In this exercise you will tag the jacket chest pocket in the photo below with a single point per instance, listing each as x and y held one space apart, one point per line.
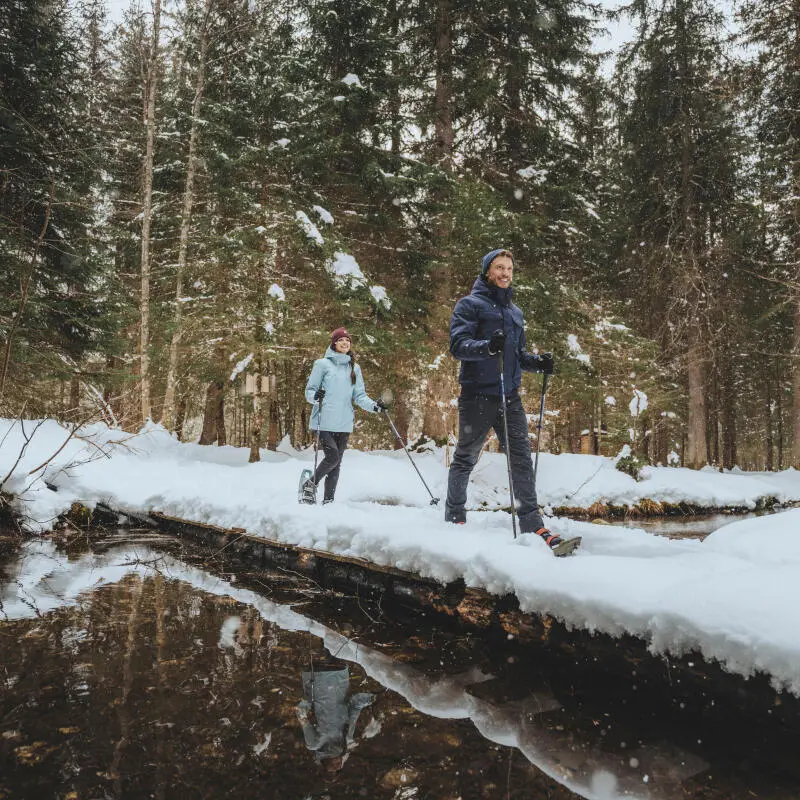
492 320
338 378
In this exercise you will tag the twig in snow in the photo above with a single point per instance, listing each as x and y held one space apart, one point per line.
72 433
21 453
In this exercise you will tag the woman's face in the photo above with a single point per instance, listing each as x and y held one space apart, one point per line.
342 345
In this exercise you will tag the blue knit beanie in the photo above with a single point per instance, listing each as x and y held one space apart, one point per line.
489 257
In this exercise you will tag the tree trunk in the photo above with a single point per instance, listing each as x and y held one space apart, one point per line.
728 422
394 104
661 441
769 455
222 432
779 413
696 446
796 385
147 215
211 412
256 431
186 221
512 142
443 97
696 427
795 194
441 381
180 418
641 425
74 397
401 422
274 431
712 426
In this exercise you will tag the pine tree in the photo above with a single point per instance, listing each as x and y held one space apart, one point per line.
48 165
773 27
679 167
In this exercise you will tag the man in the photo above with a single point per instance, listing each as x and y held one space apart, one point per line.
484 324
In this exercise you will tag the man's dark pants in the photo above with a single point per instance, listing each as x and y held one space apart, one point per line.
477 415
333 445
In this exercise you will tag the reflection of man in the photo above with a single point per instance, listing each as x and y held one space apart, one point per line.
330 734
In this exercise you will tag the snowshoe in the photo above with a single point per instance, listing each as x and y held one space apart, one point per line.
566 547
307 490
560 547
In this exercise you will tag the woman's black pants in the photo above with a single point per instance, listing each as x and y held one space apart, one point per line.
333 444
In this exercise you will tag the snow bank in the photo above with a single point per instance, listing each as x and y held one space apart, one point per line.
732 596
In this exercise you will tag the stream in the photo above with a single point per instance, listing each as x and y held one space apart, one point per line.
135 665
696 526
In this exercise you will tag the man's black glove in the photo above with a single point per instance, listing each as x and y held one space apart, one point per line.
380 406
496 342
319 394
547 363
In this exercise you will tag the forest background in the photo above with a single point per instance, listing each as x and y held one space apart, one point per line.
191 199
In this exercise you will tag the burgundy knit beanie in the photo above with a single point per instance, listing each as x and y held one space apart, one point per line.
339 333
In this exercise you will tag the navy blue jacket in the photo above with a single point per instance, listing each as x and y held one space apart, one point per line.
476 317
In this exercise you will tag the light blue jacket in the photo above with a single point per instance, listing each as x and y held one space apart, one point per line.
332 373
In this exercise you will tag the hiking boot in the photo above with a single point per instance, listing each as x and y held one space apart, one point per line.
552 540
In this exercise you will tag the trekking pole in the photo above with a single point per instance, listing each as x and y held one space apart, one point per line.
434 500
539 428
507 447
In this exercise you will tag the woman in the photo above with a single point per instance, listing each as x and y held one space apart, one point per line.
334 385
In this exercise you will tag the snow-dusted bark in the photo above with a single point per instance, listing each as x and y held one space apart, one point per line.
168 415
214 414
257 425
147 213
441 383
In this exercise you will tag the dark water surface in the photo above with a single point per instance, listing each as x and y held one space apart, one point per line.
134 666
691 526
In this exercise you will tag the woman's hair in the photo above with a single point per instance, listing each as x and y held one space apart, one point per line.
353 365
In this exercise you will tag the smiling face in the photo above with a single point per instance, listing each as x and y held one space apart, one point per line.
501 272
342 345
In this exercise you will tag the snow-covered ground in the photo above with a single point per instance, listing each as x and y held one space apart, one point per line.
733 596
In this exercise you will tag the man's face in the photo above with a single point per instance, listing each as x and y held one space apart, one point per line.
500 272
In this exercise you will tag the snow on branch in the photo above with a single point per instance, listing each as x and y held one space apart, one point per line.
309 228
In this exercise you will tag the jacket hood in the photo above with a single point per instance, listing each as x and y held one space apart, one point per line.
338 358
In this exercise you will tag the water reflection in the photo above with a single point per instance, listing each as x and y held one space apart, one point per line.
328 714
128 672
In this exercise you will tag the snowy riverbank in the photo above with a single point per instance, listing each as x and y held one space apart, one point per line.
731 596
578 482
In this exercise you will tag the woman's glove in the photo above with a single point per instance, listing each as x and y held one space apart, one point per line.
380 406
